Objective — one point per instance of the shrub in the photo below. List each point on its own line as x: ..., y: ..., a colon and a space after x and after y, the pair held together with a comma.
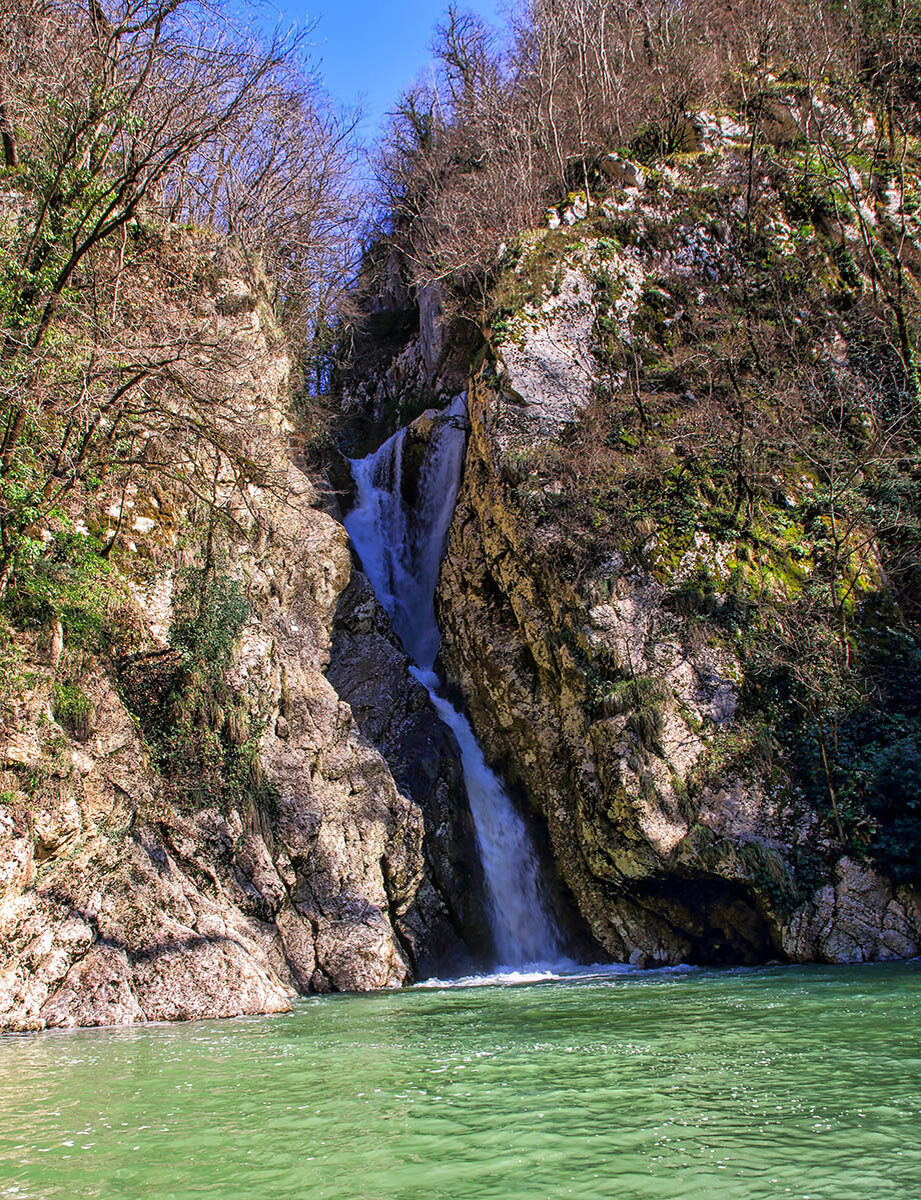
x: 890, y: 781
x: 70, y: 582
x: 209, y: 611
x: 72, y: 709
x: 203, y: 737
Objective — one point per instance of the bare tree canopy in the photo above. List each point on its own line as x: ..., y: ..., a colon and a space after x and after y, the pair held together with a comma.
x: 120, y: 118
x: 509, y: 125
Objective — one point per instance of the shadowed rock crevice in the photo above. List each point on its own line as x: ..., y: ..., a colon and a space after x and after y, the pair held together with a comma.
x: 706, y: 921
x: 370, y: 671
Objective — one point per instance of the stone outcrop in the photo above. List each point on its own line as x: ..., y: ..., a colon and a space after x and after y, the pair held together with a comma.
x: 548, y: 369
x: 591, y: 690
x: 657, y: 881
x: 857, y: 917
x: 406, y: 358
x: 118, y: 905
x: 370, y: 671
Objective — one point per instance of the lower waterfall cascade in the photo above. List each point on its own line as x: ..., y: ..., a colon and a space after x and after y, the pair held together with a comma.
x: 400, y: 545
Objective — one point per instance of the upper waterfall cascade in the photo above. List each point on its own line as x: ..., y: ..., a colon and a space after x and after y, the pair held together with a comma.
x: 400, y: 545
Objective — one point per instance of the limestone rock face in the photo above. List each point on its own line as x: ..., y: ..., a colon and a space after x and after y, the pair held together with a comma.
x: 548, y: 369
x: 607, y: 766
x: 860, y: 917
x: 105, y: 920
x: 115, y: 906
x: 609, y: 606
x: 370, y: 671
x: 407, y: 357
x: 622, y: 173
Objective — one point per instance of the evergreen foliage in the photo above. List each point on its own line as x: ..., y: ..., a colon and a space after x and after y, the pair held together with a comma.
x: 209, y: 611
x: 203, y: 735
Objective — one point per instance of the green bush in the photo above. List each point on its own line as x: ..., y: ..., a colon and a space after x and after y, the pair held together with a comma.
x: 891, y: 782
x: 204, y: 739
x: 66, y: 580
x: 872, y: 744
x: 206, y: 745
x: 643, y: 699
x: 72, y: 709
x: 209, y: 611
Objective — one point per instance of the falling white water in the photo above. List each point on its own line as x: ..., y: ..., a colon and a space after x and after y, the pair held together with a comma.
x: 400, y: 547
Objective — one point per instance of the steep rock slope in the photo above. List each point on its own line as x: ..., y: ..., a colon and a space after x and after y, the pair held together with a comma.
x: 655, y: 882
x: 613, y: 582
x: 119, y: 900
x: 370, y: 671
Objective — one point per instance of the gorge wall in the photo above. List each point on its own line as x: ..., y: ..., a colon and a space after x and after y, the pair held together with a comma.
x: 608, y: 607
x: 634, y: 605
x: 652, y: 501
x: 665, y: 866
x: 123, y: 901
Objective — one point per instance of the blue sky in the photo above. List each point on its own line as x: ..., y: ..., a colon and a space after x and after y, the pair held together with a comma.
x: 370, y: 50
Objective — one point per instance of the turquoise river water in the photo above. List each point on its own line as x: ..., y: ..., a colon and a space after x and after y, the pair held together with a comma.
x: 676, y: 1085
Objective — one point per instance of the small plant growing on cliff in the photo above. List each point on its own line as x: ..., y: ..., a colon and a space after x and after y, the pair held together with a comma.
x: 65, y: 580
x: 209, y: 611
x: 202, y: 734
x: 72, y: 709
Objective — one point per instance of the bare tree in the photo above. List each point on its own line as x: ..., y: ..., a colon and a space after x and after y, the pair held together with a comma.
x: 121, y: 107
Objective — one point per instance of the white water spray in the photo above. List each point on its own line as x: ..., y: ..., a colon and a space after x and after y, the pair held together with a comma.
x: 400, y: 547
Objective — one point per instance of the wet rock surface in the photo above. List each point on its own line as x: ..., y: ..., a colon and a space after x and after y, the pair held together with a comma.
x: 370, y: 670
x: 656, y: 881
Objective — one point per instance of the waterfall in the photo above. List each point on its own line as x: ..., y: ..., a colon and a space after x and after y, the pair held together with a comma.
x: 400, y: 545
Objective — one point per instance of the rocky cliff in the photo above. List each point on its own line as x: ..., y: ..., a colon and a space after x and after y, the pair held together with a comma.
x: 131, y: 890
x: 680, y: 599
x: 370, y: 671
x: 666, y: 864
x: 634, y: 595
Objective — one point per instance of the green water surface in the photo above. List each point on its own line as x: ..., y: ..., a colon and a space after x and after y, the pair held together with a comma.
x: 718, y: 1085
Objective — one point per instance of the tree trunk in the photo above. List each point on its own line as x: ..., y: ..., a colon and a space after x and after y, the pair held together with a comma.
x: 10, y: 149
x: 831, y: 790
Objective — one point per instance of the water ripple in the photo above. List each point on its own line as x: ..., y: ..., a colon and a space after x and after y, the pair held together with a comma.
x: 735, y: 1085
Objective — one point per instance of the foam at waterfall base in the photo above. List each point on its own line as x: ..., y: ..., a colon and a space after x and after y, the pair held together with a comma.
x: 558, y: 972
x: 523, y: 926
